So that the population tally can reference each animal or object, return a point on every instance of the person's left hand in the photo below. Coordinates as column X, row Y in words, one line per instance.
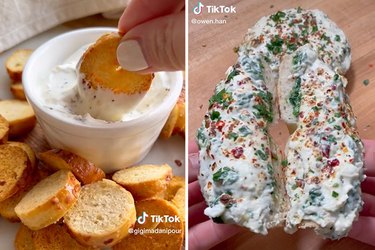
column 203, row 232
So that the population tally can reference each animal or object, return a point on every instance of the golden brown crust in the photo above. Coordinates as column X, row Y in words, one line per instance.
column 20, row 116
column 179, row 201
column 16, row 62
column 29, row 151
column 7, row 206
column 17, row 91
column 85, row 171
column 15, row 171
column 144, row 181
column 101, row 69
column 173, row 186
column 151, row 240
column 55, row 237
column 169, row 126
column 24, row 239
column 53, row 208
column 4, row 130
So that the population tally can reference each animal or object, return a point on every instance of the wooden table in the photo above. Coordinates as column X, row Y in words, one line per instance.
column 211, row 53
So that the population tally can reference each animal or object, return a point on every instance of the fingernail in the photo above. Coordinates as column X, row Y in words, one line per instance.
column 194, row 160
column 130, row 56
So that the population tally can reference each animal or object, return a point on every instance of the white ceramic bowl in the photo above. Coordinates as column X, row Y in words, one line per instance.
column 110, row 146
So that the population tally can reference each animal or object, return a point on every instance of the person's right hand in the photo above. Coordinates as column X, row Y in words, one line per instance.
column 154, row 36
column 364, row 229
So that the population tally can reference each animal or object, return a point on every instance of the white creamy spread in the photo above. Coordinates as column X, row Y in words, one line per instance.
column 240, row 173
column 60, row 93
column 325, row 164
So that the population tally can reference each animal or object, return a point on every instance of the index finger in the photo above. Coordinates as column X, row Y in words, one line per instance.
column 140, row 11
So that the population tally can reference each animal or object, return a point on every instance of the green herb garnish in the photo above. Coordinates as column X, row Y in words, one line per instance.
column 222, row 97
column 245, row 131
column 233, row 136
column 366, row 82
column 295, row 97
column 284, row 163
column 225, row 175
column 276, row 45
column 264, row 112
column 231, row 75
column 337, row 127
column 336, row 77
column 337, row 38
column 278, row 16
column 314, row 29
column 215, row 115
column 261, row 154
column 335, row 194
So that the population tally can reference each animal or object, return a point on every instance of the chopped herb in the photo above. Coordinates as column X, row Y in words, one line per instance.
column 231, row 75
column 201, row 138
column 270, row 169
column 233, row 136
column 315, row 108
column 330, row 120
column 335, row 77
column 261, row 154
column 335, row 194
column 366, row 82
column 336, row 185
column 326, row 38
column 278, row 16
column 284, row 163
column 295, row 97
column 291, row 46
column 314, row 29
column 331, row 138
column 315, row 196
column 225, row 175
column 337, row 127
column 337, row 38
column 294, row 187
column 266, row 96
column 215, row 115
column 236, row 49
column 245, row 131
column 221, row 97
column 276, row 45
column 299, row 9
column 304, row 32
column 264, row 112
column 337, row 115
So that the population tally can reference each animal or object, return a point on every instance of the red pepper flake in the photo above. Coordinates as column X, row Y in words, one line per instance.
column 300, row 183
column 343, row 124
column 370, row 65
column 178, row 163
column 333, row 163
column 220, row 125
column 237, row 152
column 326, row 151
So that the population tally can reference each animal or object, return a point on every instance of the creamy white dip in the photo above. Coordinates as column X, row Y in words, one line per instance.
column 60, row 93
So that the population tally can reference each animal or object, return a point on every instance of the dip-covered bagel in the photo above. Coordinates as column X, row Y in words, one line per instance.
column 243, row 179
column 325, row 154
column 285, row 31
column 236, row 174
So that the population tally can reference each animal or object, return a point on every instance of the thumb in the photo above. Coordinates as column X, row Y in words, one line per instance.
column 156, row 45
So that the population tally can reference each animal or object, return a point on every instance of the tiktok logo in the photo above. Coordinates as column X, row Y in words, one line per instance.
column 198, row 9
column 142, row 219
